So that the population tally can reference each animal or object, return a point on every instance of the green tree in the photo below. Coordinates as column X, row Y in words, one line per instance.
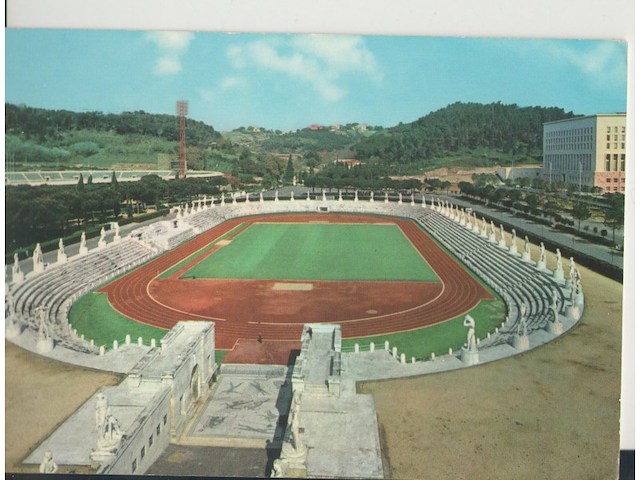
column 580, row 211
column 288, row 172
column 614, row 216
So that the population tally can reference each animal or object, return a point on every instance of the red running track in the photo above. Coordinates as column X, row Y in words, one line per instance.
column 159, row 302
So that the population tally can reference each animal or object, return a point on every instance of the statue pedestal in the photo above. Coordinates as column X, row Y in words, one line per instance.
column 17, row 278
column 117, row 239
column 470, row 356
column 38, row 267
column 102, row 244
column 502, row 244
column 521, row 342
column 62, row 257
column 295, row 460
column 556, row 328
column 558, row 276
column 492, row 238
column 573, row 312
column 13, row 330
column 541, row 265
column 513, row 250
column 83, row 251
column 526, row 256
column 44, row 345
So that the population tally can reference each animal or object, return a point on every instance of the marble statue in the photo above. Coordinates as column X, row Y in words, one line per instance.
column 355, row 196
column 527, row 248
column 371, row 196
column 276, row 471
column 48, row 464
column 102, row 406
column 110, row 434
column 83, row 244
column 38, row 264
column 102, row 243
column 399, row 197
column 15, row 271
column 292, row 196
column 471, row 333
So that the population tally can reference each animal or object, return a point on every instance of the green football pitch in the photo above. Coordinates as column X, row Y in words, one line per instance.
column 295, row 251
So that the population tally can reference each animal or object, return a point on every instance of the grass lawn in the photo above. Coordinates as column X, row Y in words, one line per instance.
column 317, row 252
column 93, row 316
column 488, row 315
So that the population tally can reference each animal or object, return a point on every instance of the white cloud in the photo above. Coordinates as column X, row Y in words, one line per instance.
column 207, row 95
column 233, row 82
column 318, row 60
column 171, row 45
column 175, row 42
column 605, row 62
column 167, row 66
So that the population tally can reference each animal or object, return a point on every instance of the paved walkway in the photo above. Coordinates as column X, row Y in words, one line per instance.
column 523, row 226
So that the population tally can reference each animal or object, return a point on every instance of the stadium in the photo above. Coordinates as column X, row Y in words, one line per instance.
column 390, row 281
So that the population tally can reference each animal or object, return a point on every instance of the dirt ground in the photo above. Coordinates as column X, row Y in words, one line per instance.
column 39, row 395
column 552, row 413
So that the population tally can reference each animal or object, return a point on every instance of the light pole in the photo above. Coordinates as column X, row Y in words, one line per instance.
column 579, row 179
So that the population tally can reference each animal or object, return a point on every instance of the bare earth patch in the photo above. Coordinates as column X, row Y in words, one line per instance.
column 39, row 395
column 549, row 413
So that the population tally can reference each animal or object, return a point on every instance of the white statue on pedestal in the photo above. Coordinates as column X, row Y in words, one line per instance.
column 16, row 274
column 83, row 245
column 62, row 256
column 355, row 196
column 102, row 407
column 48, row 464
column 102, row 243
column 399, row 197
column 44, row 343
column 471, row 333
column 110, row 435
column 542, row 261
column 514, row 239
column 38, row 264
column 116, row 236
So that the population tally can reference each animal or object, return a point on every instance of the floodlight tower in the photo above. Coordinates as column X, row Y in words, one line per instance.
column 182, row 108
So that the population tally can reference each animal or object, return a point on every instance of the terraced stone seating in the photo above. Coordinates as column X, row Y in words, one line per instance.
column 518, row 282
column 60, row 285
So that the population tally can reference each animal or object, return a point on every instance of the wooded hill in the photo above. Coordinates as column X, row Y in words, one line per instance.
column 510, row 129
column 461, row 134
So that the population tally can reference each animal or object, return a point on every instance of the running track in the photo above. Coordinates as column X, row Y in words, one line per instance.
column 130, row 296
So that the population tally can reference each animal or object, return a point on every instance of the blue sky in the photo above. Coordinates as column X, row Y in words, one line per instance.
column 290, row 81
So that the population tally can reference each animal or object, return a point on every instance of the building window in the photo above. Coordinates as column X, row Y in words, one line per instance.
column 608, row 137
column 608, row 129
column 615, row 189
column 615, row 137
column 615, row 162
column 615, row 146
column 615, row 129
column 607, row 163
column 134, row 465
column 142, row 453
column 150, row 440
column 165, row 419
column 622, row 160
column 622, row 146
column 158, row 430
column 615, row 180
column 608, row 180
